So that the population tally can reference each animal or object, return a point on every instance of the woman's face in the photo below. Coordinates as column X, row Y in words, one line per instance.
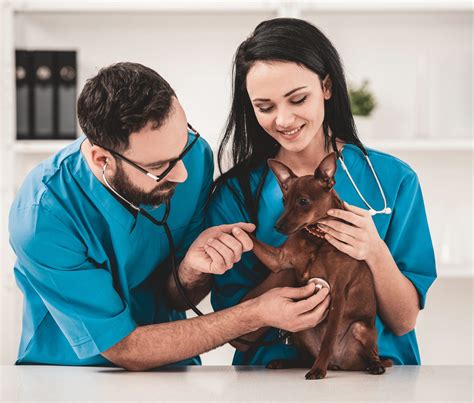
column 288, row 100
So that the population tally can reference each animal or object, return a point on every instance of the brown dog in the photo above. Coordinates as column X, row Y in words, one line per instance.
column 347, row 338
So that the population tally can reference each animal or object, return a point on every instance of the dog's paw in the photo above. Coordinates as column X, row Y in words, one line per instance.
column 316, row 374
column 376, row 368
column 278, row 364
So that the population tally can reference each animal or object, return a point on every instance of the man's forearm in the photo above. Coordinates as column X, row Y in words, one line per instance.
column 157, row 345
column 196, row 286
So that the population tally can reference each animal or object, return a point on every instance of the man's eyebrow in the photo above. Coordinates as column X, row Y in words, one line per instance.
column 161, row 162
column 286, row 95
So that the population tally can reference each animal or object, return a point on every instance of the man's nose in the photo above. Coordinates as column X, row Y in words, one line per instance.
column 285, row 119
column 178, row 174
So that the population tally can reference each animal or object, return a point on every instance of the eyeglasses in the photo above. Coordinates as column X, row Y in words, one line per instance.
column 171, row 163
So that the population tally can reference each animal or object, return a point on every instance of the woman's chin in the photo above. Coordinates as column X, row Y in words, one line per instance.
column 294, row 147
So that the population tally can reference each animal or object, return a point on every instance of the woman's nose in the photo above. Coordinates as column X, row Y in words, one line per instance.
column 178, row 174
column 285, row 119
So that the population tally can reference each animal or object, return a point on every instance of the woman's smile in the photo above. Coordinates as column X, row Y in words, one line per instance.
column 291, row 134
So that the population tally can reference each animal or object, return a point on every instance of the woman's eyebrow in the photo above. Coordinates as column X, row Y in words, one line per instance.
column 286, row 95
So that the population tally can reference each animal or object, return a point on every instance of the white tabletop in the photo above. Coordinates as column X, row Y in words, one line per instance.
column 221, row 383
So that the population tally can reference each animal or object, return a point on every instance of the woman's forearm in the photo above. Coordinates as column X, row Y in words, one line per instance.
column 397, row 298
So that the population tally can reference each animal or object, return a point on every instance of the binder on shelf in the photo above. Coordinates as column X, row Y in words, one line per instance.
column 24, row 99
column 43, row 95
column 46, row 94
column 66, row 95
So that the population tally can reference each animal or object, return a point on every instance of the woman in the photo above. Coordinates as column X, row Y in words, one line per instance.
column 290, row 102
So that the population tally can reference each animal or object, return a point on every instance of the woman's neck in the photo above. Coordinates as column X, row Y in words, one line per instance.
column 306, row 161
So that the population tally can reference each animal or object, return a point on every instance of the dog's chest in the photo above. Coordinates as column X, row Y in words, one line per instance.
column 321, row 259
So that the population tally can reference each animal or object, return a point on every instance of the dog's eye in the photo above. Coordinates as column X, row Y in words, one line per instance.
column 303, row 201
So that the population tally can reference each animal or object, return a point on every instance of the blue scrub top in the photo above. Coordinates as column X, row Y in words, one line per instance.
column 405, row 232
column 90, row 270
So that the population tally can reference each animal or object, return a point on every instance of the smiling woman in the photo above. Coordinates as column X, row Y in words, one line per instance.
column 290, row 103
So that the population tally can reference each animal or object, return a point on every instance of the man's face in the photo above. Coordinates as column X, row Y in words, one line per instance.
column 152, row 149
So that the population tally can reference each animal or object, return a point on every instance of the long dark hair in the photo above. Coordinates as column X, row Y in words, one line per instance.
column 280, row 39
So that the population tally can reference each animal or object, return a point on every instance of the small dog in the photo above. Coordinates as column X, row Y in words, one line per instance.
column 347, row 338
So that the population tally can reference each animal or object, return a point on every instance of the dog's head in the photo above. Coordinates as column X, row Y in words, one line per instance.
column 307, row 198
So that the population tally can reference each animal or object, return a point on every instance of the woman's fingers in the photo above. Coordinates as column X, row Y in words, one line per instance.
column 357, row 210
column 344, row 232
column 348, row 216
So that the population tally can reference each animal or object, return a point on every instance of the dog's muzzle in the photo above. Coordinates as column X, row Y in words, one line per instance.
column 320, row 283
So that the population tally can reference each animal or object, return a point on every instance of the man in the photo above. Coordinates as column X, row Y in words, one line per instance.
column 95, row 272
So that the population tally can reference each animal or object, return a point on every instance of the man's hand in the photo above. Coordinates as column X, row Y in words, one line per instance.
column 217, row 248
column 293, row 309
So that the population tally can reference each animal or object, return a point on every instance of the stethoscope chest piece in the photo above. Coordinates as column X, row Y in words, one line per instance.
column 320, row 283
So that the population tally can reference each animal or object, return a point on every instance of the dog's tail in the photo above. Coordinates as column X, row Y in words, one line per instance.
column 386, row 362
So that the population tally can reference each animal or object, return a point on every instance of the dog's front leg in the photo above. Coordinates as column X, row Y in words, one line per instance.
column 273, row 258
column 336, row 311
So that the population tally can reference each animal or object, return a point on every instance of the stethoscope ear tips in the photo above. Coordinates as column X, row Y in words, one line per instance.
column 388, row 210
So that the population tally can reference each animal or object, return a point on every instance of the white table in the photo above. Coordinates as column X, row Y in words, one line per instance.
column 221, row 383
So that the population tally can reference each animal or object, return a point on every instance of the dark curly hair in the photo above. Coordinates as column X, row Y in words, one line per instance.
column 121, row 99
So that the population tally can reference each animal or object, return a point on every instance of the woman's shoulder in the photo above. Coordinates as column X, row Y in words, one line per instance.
column 389, row 164
column 231, row 183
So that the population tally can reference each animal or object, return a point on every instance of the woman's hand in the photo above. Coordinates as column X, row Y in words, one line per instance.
column 356, row 235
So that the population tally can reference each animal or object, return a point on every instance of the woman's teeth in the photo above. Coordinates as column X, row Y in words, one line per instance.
column 291, row 132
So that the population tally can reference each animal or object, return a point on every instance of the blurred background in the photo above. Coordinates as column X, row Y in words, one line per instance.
column 409, row 65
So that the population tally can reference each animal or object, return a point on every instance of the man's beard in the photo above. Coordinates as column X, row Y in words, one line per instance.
column 137, row 196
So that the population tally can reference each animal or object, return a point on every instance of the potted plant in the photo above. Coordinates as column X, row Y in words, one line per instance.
column 363, row 104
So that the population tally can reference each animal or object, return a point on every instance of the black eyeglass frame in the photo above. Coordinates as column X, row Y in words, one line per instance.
column 171, row 163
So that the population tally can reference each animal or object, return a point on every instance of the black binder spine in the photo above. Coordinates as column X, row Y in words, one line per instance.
column 24, row 94
column 66, row 79
column 44, row 95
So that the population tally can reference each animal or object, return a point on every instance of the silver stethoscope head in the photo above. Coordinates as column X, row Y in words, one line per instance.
column 372, row 211
column 320, row 283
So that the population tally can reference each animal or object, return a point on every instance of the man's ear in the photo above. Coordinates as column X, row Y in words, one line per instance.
column 326, row 170
column 283, row 174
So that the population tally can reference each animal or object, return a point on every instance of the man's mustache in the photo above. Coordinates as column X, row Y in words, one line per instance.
column 165, row 187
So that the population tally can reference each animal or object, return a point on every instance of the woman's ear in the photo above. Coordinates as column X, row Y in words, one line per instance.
column 327, row 87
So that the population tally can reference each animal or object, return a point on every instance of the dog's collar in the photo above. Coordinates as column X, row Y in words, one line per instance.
column 314, row 230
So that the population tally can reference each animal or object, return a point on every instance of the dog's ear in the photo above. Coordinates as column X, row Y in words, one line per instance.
column 326, row 170
column 282, row 173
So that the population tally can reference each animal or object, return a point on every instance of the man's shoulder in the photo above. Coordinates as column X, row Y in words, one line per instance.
column 45, row 182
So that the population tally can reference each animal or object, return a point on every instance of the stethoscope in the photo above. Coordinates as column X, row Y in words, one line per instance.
column 372, row 211
column 164, row 223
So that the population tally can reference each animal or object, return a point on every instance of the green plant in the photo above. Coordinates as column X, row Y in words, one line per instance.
column 362, row 100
